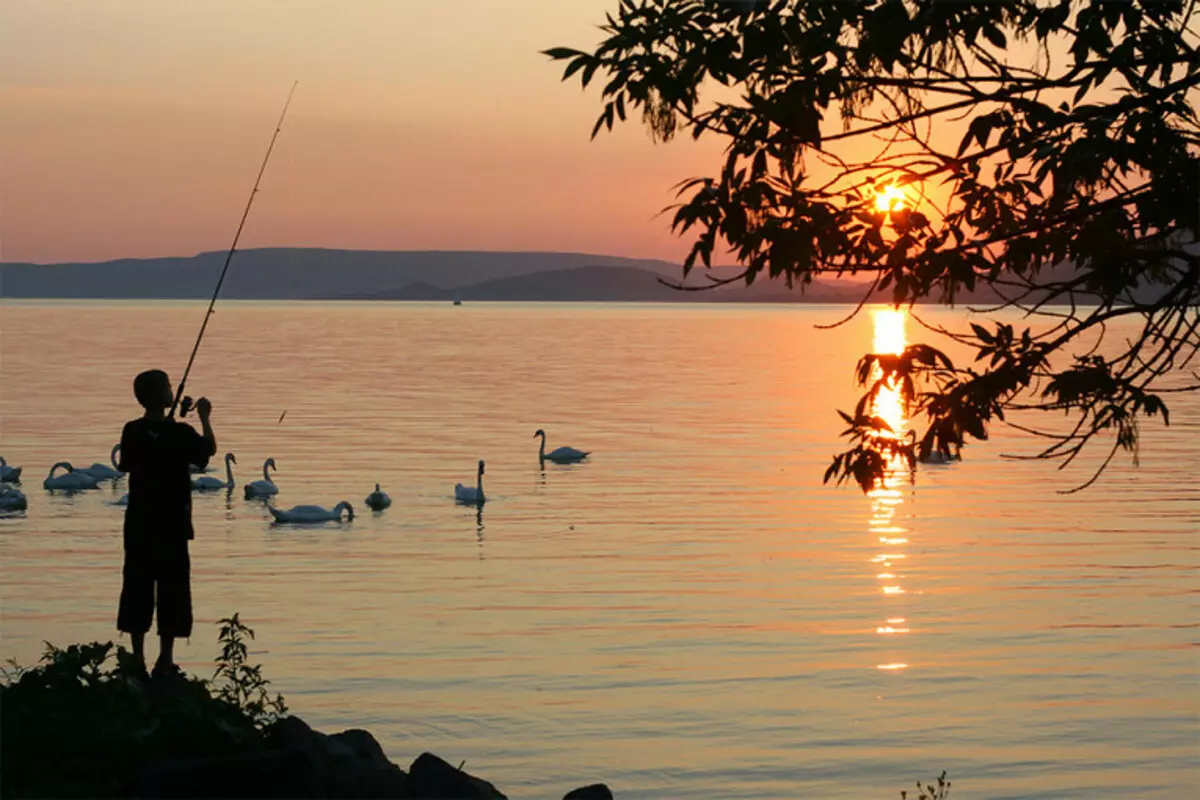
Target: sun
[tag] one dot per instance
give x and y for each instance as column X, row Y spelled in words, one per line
column 890, row 198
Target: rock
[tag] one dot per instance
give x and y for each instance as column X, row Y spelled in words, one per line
column 362, row 744
column 597, row 791
column 431, row 778
column 384, row 782
column 271, row 773
column 346, row 765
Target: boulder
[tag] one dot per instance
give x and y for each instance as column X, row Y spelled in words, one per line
column 363, row 744
column 596, row 791
column 431, row 778
column 383, row 783
column 266, row 774
column 345, row 765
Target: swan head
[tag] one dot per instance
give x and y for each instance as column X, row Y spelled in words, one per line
column 377, row 488
column 481, row 466
column 269, row 464
column 231, row 458
column 541, row 433
column 349, row 510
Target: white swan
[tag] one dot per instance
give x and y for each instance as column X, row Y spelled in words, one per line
column 305, row 514
column 207, row 484
column 70, row 481
column 12, row 499
column 471, row 494
column 562, row 455
column 266, row 487
column 9, row 474
column 103, row 472
column 377, row 500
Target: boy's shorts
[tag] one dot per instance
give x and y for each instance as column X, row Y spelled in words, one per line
column 159, row 566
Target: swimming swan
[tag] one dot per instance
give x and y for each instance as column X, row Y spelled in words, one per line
column 377, row 500
column 9, row 474
column 207, row 484
column 12, row 499
column 103, row 472
column 266, row 487
column 562, row 455
column 471, row 494
column 936, row 457
column 69, row 481
column 304, row 514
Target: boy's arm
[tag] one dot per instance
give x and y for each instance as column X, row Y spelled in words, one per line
column 204, row 411
column 129, row 455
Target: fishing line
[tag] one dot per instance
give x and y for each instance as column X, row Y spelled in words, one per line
column 184, row 404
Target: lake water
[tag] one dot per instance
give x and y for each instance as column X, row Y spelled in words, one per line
column 690, row 614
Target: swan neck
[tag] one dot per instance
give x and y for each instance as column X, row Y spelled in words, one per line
column 113, row 455
column 266, row 474
column 228, row 471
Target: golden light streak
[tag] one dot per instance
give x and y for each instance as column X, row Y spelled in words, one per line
column 890, row 339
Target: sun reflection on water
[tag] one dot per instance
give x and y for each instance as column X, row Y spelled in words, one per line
column 886, row 499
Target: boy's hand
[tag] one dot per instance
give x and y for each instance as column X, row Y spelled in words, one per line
column 203, row 408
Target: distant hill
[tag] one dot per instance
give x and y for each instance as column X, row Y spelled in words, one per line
column 312, row 274
column 291, row 273
column 594, row 284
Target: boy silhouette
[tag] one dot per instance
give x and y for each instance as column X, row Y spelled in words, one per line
column 156, row 452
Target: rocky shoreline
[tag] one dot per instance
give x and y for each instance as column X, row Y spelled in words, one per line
column 300, row 762
column 87, row 722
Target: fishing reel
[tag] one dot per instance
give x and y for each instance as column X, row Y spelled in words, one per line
column 185, row 405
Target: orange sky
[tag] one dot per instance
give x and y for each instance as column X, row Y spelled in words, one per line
column 135, row 128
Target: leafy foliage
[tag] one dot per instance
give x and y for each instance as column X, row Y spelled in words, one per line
column 1069, row 189
column 242, row 685
column 931, row 792
column 84, row 720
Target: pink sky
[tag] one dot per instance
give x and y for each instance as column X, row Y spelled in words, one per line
column 131, row 128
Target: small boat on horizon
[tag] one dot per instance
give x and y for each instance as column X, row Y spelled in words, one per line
column 457, row 298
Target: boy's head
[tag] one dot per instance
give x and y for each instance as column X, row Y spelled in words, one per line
column 152, row 389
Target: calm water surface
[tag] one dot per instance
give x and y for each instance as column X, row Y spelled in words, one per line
column 688, row 615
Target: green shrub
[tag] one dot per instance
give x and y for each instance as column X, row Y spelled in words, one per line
column 930, row 792
column 83, row 721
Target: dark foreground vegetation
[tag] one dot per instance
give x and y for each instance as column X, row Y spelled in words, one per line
column 85, row 723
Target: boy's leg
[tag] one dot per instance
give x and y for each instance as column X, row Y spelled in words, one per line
column 166, row 651
column 136, row 608
column 174, row 602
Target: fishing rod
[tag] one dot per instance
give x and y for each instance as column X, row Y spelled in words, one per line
column 184, row 404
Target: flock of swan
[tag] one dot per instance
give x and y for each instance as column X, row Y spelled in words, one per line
column 76, row 479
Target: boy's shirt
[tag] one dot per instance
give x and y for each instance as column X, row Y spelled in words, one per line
column 157, row 455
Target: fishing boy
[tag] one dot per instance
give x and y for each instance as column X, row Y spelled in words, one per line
column 156, row 451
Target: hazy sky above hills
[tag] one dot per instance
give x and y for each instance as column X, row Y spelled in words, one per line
column 135, row 128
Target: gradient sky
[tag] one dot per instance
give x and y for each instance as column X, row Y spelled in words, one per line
column 131, row 128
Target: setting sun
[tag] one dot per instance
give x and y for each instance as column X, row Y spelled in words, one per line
column 890, row 198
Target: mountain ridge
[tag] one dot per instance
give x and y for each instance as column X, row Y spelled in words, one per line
column 324, row 273
column 429, row 275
